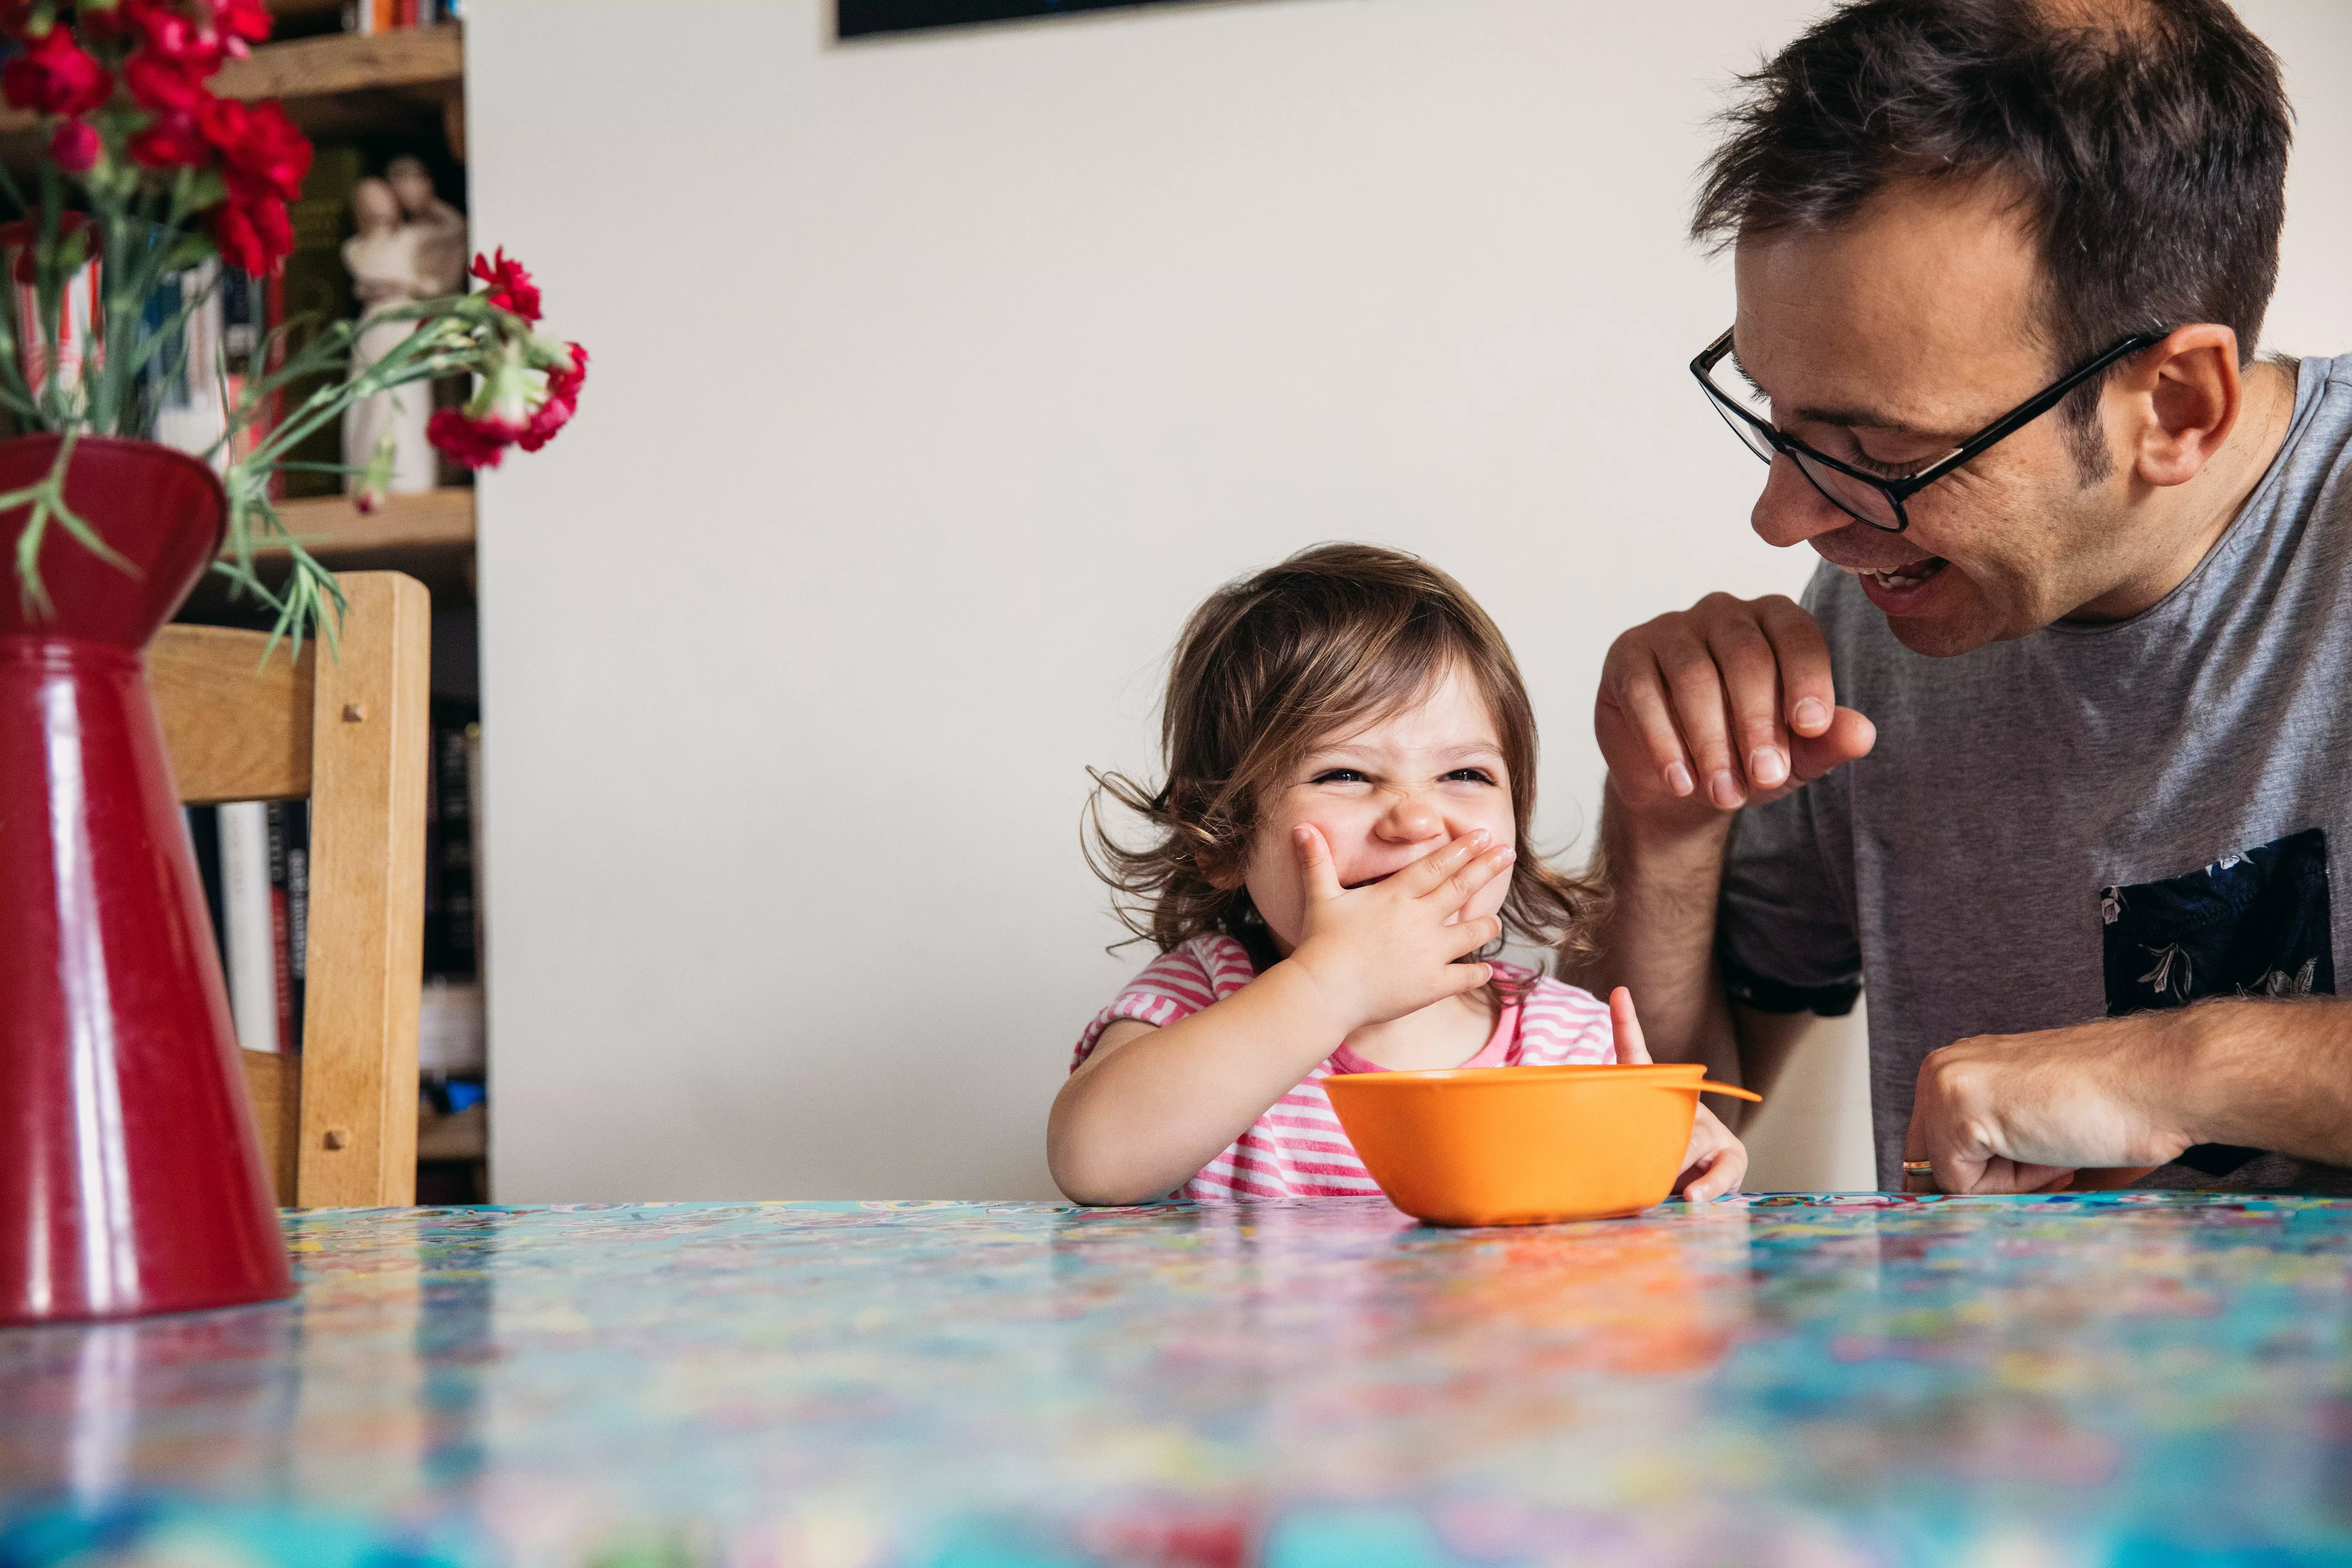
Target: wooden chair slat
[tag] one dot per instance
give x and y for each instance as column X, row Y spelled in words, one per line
column 352, row 731
column 369, row 775
column 273, row 1080
column 236, row 729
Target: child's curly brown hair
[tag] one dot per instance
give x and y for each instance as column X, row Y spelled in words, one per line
column 1334, row 638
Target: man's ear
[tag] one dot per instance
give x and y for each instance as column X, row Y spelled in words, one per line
column 2185, row 395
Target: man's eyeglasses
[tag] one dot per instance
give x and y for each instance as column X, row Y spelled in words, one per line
column 1871, row 498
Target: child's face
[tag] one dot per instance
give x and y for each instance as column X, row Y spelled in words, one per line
column 1384, row 797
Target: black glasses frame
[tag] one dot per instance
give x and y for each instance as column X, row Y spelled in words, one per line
column 1897, row 492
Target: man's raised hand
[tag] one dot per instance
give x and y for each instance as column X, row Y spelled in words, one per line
column 1725, row 704
column 1380, row 951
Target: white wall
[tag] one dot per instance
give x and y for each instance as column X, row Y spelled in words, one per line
column 936, row 378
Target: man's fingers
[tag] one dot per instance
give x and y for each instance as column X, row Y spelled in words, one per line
column 1848, row 737
column 1751, row 682
column 1704, row 718
column 1638, row 694
column 1315, row 868
column 1808, row 690
column 1632, row 1049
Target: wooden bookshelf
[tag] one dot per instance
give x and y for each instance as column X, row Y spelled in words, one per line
column 430, row 537
column 335, row 86
column 334, row 531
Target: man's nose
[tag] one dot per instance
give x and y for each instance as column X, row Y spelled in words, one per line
column 1790, row 510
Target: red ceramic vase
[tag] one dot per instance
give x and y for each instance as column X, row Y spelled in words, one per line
column 130, row 1177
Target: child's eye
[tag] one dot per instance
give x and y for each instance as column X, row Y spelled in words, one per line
column 1338, row 775
column 1468, row 775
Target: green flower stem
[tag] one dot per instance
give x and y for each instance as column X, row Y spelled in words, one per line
column 48, row 498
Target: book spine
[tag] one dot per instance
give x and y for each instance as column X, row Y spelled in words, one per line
column 204, row 837
column 474, row 842
column 297, row 911
column 245, row 899
column 436, row 925
column 452, row 784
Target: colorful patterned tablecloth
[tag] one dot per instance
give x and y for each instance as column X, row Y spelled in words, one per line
column 2036, row 1383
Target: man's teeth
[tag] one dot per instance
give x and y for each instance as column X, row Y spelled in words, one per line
column 1896, row 581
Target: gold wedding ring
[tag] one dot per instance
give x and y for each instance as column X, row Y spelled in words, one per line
column 1918, row 1175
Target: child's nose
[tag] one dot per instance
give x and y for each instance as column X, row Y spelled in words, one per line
column 1411, row 818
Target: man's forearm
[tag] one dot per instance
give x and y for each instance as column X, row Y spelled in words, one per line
column 1658, row 937
column 2275, row 1074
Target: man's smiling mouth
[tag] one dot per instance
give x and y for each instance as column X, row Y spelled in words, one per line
column 1896, row 580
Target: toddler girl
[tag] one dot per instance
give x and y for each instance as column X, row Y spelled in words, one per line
column 1342, row 833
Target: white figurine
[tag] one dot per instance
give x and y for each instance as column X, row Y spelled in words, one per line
column 411, row 246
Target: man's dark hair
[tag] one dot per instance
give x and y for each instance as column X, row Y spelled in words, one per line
column 2147, row 140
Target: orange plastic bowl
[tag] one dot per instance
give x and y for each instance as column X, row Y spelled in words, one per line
column 1523, row 1145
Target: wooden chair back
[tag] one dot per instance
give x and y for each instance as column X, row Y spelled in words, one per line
column 350, row 730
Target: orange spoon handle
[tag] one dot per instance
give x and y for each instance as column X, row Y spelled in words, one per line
column 1710, row 1087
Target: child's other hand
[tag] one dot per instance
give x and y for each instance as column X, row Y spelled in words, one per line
column 1382, row 951
column 1713, row 1163
column 1715, row 1159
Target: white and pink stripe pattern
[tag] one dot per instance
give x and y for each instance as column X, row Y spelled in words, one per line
column 1298, row 1149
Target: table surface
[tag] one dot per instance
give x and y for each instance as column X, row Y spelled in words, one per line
column 1992, row 1382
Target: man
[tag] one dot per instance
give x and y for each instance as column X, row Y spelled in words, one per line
column 2063, row 729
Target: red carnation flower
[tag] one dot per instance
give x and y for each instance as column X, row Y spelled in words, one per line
column 261, row 153
column 510, row 287
column 168, row 33
column 160, row 83
column 476, row 443
column 53, row 75
column 238, row 242
column 242, row 22
column 170, row 142
column 252, row 236
column 563, row 384
column 76, row 146
column 564, row 381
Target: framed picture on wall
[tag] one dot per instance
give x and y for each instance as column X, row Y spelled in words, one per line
column 859, row 18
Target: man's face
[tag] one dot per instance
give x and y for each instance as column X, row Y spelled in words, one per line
column 1885, row 343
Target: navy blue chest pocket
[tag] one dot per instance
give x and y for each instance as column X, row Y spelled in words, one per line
column 2250, row 924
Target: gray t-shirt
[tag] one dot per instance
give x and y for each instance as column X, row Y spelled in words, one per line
column 2093, row 820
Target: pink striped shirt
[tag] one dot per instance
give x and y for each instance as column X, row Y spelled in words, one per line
column 1298, row 1149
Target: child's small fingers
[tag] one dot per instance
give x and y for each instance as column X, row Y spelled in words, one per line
column 1315, row 868
column 1456, row 889
column 1431, row 869
column 1714, row 1177
column 1470, row 935
column 1468, row 977
column 1626, row 1026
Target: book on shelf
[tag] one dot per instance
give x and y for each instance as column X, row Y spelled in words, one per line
column 367, row 18
column 253, row 858
column 452, row 930
column 248, row 935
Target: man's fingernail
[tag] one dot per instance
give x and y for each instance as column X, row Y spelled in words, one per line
column 1678, row 779
column 1725, row 790
column 1809, row 713
column 1767, row 766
